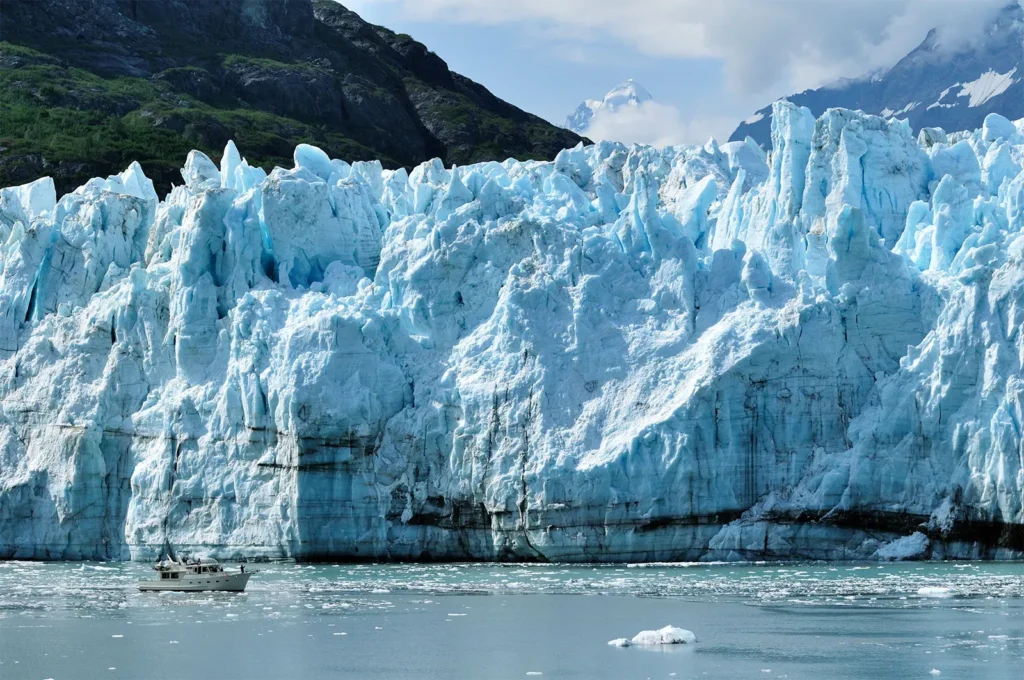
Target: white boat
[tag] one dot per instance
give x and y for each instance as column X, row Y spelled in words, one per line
column 198, row 576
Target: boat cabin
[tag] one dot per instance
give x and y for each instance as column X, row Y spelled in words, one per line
column 176, row 570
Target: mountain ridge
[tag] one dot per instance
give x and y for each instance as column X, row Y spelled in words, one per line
column 930, row 87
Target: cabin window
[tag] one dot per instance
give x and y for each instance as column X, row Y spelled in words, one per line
column 165, row 576
column 174, row 575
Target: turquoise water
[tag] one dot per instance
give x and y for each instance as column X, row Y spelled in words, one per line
column 815, row 621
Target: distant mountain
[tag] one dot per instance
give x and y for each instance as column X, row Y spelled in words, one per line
column 930, row 87
column 629, row 93
column 87, row 86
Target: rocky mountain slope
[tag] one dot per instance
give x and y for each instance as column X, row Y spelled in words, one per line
column 623, row 354
column 930, row 87
column 88, row 86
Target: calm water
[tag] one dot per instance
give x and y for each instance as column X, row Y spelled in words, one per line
column 82, row 621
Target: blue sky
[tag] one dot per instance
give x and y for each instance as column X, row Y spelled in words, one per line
column 549, row 76
column 709, row 63
column 519, row 63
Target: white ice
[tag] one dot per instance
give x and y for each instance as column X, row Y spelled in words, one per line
column 940, row 592
column 904, row 548
column 633, row 354
column 669, row 635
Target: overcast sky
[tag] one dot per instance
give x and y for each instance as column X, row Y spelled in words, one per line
column 709, row 63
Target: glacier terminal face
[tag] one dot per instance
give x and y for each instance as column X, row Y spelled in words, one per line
column 626, row 354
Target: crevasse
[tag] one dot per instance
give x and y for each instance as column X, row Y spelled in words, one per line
column 623, row 354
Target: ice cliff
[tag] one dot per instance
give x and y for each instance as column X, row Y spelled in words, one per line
column 623, row 354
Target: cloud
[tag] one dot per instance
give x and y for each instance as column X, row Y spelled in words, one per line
column 762, row 43
column 656, row 124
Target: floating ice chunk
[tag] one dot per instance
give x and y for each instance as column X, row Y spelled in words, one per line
column 935, row 591
column 935, row 671
column 669, row 635
column 620, row 642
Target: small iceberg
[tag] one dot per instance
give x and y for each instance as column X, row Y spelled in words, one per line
column 669, row 635
column 935, row 591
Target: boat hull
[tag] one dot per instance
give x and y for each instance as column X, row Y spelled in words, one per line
column 232, row 583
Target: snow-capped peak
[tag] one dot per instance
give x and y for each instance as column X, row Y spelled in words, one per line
column 629, row 93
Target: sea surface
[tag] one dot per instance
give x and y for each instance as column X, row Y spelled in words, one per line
column 818, row 621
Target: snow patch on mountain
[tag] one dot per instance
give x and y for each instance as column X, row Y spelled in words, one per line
column 989, row 85
column 889, row 113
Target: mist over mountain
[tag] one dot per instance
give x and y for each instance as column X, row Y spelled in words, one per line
column 933, row 86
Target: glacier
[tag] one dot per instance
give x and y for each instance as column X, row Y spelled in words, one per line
column 624, row 354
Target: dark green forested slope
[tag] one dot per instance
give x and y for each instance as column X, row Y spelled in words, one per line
column 87, row 86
